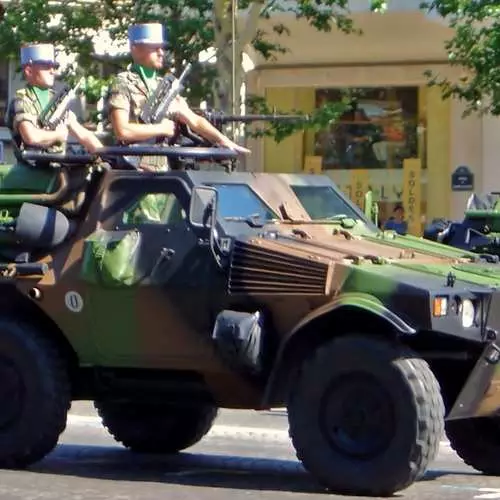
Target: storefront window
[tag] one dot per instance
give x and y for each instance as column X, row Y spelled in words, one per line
column 380, row 131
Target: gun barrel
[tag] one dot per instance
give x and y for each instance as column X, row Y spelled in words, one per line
column 185, row 72
column 257, row 118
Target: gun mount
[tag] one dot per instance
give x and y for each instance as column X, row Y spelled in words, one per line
column 43, row 195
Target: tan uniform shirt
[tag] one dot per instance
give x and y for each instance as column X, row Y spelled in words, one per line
column 26, row 107
column 130, row 93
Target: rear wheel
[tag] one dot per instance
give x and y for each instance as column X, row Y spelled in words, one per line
column 477, row 442
column 366, row 416
column 155, row 428
column 34, row 395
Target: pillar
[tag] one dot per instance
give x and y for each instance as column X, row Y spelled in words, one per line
column 466, row 150
column 490, row 180
column 438, row 154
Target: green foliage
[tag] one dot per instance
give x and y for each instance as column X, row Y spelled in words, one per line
column 475, row 47
column 191, row 29
column 324, row 15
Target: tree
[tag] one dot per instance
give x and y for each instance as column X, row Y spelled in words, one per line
column 193, row 26
column 475, row 47
column 323, row 15
column 197, row 25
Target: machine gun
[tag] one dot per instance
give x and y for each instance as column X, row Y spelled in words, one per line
column 219, row 118
column 186, row 137
column 54, row 113
column 155, row 109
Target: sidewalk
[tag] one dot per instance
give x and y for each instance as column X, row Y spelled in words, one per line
column 275, row 419
column 266, row 425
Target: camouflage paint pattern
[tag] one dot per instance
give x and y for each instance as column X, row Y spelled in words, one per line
column 150, row 292
column 26, row 107
column 129, row 92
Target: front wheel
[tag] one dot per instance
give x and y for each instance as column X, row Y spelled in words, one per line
column 477, row 442
column 366, row 416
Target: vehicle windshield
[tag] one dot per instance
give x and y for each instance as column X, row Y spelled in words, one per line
column 323, row 202
column 240, row 201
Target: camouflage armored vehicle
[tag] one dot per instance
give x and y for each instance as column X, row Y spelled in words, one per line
column 478, row 232
column 251, row 291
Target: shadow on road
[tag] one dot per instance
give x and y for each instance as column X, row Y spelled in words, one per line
column 193, row 469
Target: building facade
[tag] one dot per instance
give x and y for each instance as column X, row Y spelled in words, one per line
column 403, row 140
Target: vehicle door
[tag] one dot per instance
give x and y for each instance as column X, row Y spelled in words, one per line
column 144, row 270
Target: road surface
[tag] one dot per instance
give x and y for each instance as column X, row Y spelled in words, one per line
column 247, row 454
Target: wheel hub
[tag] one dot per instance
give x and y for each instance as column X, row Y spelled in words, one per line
column 358, row 416
column 11, row 393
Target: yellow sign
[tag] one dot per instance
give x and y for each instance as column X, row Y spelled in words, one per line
column 412, row 194
column 313, row 165
column 360, row 181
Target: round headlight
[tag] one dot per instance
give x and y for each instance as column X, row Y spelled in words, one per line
column 467, row 312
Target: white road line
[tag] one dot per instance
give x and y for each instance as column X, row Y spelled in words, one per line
column 228, row 431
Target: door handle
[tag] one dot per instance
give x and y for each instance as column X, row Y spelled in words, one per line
column 165, row 254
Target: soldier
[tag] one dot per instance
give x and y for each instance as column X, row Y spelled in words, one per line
column 39, row 65
column 127, row 96
column 133, row 87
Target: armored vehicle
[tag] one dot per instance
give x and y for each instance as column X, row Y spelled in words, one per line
column 246, row 291
column 478, row 232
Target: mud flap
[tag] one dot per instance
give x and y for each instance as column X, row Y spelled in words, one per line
column 480, row 396
column 239, row 339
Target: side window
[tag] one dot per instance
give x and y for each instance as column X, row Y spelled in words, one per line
column 153, row 208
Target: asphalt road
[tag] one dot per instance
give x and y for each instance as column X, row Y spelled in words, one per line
column 245, row 454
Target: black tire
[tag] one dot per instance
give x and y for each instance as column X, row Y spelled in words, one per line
column 352, row 378
column 148, row 428
column 34, row 395
column 477, row 442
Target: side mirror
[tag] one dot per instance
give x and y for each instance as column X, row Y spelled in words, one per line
column 203, row 206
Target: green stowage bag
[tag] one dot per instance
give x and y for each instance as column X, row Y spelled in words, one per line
column 110, row 258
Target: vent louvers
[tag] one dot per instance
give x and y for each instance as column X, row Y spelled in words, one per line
column 259, row 270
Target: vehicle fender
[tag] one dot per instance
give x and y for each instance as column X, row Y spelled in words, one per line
column 361, row 302
column 358, row 301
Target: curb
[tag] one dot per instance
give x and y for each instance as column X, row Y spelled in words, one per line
column 217, row 431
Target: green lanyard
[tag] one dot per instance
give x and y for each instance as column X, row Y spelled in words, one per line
column 42, row 97
column 148, row 76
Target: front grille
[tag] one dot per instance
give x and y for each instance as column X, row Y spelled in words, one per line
column 260, row 271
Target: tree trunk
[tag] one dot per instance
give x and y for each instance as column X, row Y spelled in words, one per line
column 223, row 29
column 227, row 85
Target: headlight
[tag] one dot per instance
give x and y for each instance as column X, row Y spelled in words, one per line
column 467, row 312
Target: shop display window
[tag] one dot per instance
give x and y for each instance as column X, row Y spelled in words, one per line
column 381, row 129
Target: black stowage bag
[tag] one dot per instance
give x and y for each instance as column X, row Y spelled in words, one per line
column 239, row 339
